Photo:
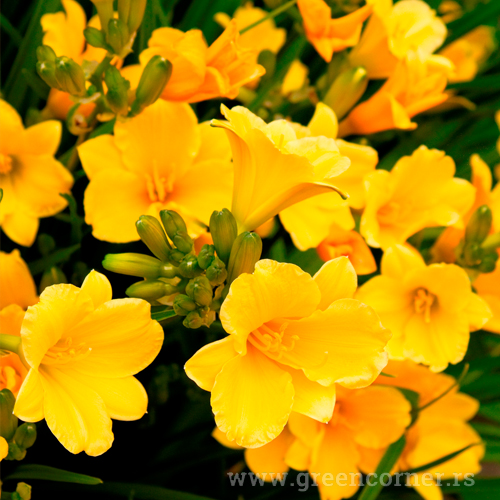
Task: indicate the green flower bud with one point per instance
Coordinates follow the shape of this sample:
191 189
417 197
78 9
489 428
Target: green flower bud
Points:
193 320
46 244
168 271
152 234
346 90
246 251
15 452
189 267
479 225
172 222
491 242
216 272
95 37
224 230
472 255
105 11
23 490
488 263
206 256
150 290
268 60
47 72
183 305
70 76
183 242
25 436
154 78
52 276
200 290
44 53
117 94
133 264
175 257
131 12
8 421
118 35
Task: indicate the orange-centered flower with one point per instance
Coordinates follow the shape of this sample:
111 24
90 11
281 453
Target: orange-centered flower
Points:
291 338
82 349
430 310
31 178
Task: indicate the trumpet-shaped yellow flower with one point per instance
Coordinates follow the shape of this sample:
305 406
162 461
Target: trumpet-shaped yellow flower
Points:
469 52
291 339
276 166
12 370
440 429
161 159
394 31
430 310
419 192
362 419
416 85
31 178
265 36
16 282
351 244
200 72
83 349
329 35
63 32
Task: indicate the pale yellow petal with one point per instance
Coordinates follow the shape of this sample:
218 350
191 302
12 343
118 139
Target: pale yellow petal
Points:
29 402
98 287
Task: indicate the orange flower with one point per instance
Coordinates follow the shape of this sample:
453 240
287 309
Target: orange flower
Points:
201 72
329 35
416 85
351 244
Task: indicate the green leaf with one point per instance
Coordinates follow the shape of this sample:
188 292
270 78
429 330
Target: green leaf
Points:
47 473
387 463
162 315
13 34
480 489
278 250
486 430
440 461
75 220
62 255
490 411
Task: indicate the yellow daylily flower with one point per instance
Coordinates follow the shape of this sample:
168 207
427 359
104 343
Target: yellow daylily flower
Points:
419 192
329 35
63 32
137 171
440 429
200 72
363 418
416 85
394 31
430 310
82 349
351 244
265 36
16 283
12 370
292 337
276 166
295 78
469 52
31 178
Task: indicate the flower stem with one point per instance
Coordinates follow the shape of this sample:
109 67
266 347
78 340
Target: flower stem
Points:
271 14
10 343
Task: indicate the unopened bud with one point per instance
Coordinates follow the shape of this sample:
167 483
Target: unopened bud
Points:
183 242
488 262
25 436
150 290
117 94
118 35
479 225
224 230
131 12
105 11
70 76
47 72
154 78
45 53
8 421
175 257
183 305
133 264
189 267
216 273
346 90
24 491
172 222
206 256
152 234
193 320
52 276
200 290
95 37
246 251
267 59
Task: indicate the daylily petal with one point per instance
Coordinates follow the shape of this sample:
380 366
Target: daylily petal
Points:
206 363
42 138
16 282
21 227
98 287
100 154
252 399
29 402
324 121
478 312
221 438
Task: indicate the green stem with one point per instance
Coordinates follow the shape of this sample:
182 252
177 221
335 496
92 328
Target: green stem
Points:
491 242
274 13
96 77
10 343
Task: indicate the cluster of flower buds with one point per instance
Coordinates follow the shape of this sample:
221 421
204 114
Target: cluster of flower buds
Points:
193 285
477 250
18 437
